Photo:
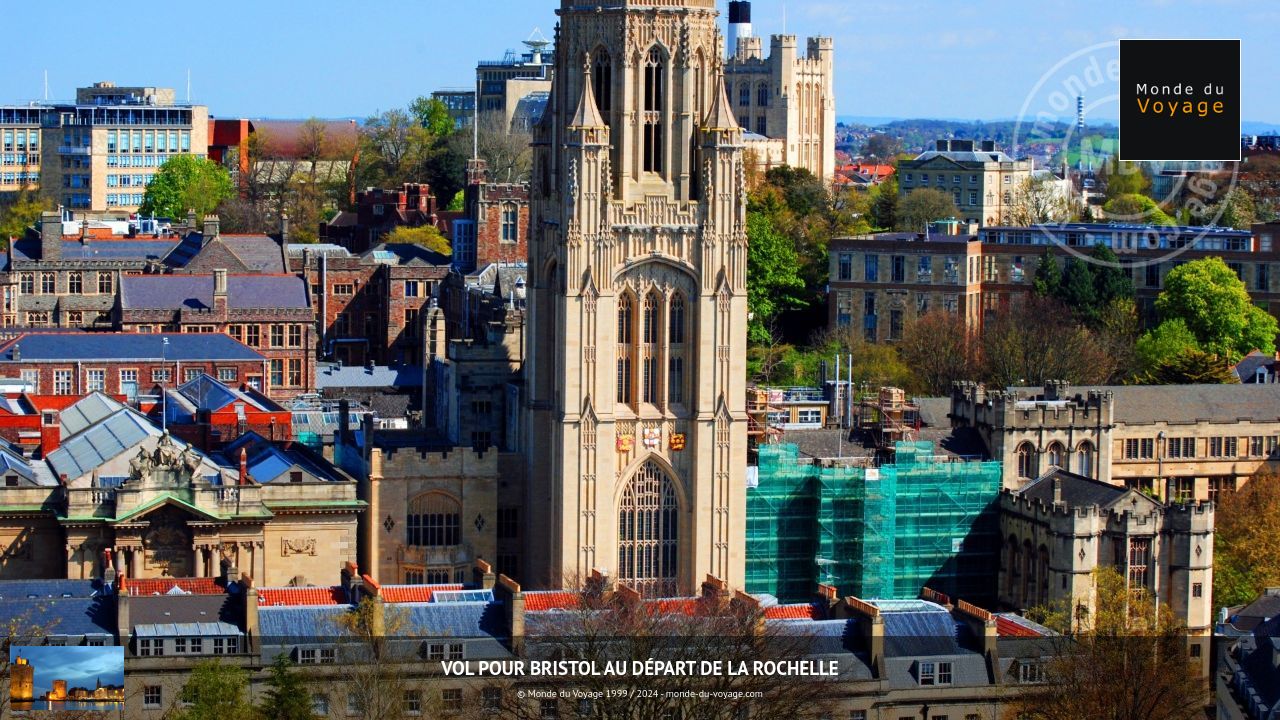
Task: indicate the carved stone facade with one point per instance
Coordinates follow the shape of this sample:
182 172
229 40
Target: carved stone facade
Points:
637 307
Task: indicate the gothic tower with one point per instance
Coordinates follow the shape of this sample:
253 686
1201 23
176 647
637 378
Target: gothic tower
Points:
638 306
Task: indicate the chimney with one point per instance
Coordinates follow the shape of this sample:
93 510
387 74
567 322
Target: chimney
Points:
284 228
983 625
716 591
512 597
244 466
212 228
483 574
50 236
220 292
251 619
50 432
191 219
872 631
15 353
123 628
829 596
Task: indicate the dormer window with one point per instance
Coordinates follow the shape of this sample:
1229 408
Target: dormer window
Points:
295 476
935 673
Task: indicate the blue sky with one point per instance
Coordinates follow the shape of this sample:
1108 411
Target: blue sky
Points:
79 666
332 58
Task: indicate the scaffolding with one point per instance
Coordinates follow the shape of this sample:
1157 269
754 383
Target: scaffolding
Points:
880 532
887 418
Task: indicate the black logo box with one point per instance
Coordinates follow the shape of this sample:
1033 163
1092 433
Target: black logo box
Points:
1180 65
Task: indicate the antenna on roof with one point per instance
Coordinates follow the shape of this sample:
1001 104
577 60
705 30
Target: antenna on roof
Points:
188 86
46 85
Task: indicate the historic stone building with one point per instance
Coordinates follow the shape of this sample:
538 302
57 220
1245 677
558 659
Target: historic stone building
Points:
637 304
786 102
980 178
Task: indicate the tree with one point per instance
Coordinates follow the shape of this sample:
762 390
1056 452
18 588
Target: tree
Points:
936 347
1246 545
1190 367
1117 331
881 147
802 191
1134 208
286 697
923 206
20 213
186 182
1212 301
1236 210
868 363
428 236
1119 179
432 114
884 204
506 151
1124 658
1110 282
1039 199
1076 290
1048 277
1036 340
216 691
773 281
1163 343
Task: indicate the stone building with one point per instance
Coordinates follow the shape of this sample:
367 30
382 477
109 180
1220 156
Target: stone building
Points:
637 304
786 102
880 281
1181 443
114 491
1062 526
980 178
495 226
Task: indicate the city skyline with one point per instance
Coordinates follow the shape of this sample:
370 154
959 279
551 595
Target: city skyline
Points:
888 62
80 666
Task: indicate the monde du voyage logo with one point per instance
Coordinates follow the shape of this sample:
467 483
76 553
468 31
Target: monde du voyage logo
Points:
1180 100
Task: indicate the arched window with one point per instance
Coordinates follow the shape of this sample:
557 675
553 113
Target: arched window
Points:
1058 456
602 82
648 533
762 94
434 521
1028 463
675 349
650 350
625 338
744 94
1086 459
654 106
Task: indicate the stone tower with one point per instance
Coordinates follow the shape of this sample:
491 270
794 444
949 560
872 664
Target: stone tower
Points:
638 307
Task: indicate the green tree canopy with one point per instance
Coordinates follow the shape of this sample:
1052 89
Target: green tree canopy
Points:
1048 277
1133 207
773 279
216 691
286 697
923 206
428 236
1163 343
186 182
1213 303
22 212
1123 178
432 114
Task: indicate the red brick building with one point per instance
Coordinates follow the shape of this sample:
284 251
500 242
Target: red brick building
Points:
271 314
209 414
378 212
369 305
128 365
496 227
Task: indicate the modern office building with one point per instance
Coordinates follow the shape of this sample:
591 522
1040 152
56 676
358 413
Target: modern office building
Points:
516 87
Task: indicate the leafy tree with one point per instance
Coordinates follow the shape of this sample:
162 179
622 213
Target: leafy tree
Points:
186 182
1212 301
287 697
1036 340
923 206
1110 283
1039 200
873 364
507 151
1190 367
773 281
1168 340
432 114
1246 545
802 191
881 147
428 236
21 213
1077 289
1123 658
1136 208
1236 210
884 204
216 691
1117 330
1121 179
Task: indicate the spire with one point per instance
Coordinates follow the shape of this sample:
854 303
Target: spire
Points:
720 117
587 115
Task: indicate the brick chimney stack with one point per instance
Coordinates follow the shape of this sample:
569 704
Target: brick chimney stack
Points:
51 236
220 292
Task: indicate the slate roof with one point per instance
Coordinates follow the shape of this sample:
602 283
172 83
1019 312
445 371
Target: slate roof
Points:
405 254
1248 618
167 609
244 292
28 249
267 461
256 253
1147 404
1259 666
454 620
12 462
379 376
126 346
24 589
307 623
1077 490
107 439
1247 369
207 393
60 616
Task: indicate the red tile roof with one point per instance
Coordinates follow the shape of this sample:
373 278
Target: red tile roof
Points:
414 593
793 612
671 606
269 597
1007 627
161 586
550 600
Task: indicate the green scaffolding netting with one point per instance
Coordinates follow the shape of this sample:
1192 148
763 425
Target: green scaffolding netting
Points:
874 532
